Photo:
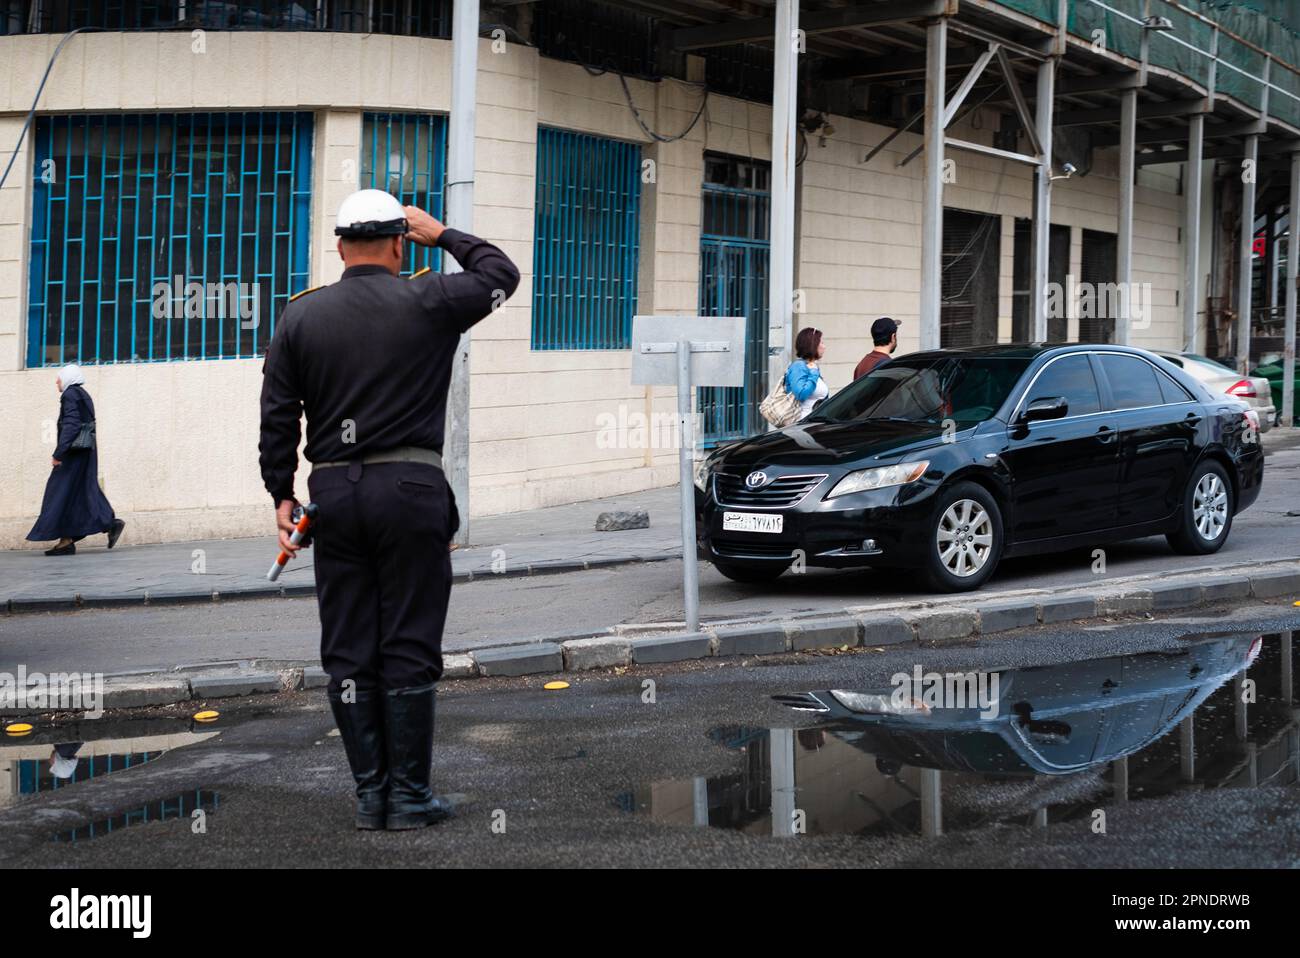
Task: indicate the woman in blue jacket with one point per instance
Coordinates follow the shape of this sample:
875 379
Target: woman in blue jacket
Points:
804 379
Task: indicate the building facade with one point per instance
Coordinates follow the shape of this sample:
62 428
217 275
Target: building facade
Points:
175 186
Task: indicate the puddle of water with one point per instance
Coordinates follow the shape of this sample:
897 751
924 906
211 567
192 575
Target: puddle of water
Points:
1043 744
63 756
183 805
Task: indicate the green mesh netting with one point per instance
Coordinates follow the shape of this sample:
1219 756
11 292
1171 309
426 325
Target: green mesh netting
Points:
1272 25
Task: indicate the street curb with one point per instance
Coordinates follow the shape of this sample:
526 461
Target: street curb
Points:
938 622
22 606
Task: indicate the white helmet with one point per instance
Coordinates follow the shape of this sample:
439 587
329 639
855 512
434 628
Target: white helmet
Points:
369 213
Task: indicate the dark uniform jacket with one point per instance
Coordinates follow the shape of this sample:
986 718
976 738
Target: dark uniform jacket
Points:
369 359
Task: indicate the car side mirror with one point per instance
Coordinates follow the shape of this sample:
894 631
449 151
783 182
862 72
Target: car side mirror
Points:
1052 407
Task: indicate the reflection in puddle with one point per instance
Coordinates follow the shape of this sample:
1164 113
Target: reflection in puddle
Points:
1217 711
64 756
178 806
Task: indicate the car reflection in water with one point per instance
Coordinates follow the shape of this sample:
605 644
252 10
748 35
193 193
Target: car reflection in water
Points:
1064 739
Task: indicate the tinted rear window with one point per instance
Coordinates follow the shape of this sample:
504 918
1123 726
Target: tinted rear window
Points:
1132 381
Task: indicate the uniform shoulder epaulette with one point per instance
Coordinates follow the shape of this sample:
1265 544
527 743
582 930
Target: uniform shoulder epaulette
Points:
420 272
305 292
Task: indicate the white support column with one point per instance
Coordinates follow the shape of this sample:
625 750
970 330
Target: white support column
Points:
1245 254
460 214
1042 228
936 46
1292 272
1192 230
1124 239
784 136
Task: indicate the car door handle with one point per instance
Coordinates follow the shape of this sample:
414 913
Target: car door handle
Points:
1106 434
1192 418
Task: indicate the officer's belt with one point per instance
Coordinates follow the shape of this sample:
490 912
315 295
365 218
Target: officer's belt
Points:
400 454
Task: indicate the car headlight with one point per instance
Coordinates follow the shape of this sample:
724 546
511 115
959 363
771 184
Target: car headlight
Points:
865 479
702 472
868 703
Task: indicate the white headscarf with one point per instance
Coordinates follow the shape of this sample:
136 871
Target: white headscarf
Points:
71 375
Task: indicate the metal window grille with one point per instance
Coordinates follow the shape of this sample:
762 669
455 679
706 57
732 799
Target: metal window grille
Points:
166 237
734 255
406 154
600 35
418 18
587 241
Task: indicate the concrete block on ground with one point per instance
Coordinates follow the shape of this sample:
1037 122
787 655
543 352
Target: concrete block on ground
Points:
459 667
826 634
759 639
314 677
1224 588
223 686
618 521
943 624
672 648
880 630
1067 608
520 659
597 652
1007 614
1270 585
138 693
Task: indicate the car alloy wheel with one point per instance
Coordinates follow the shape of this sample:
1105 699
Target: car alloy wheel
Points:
964 537
1210 507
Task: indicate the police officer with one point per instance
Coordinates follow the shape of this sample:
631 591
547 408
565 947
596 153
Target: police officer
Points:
369 359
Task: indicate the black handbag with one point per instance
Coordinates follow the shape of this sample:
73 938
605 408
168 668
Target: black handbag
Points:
86 438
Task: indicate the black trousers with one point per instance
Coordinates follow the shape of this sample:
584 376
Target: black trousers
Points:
383 572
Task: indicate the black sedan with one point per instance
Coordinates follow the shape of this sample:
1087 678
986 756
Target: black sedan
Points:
947 461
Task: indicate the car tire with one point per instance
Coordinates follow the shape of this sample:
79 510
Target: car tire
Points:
751 572
965 529
1209 491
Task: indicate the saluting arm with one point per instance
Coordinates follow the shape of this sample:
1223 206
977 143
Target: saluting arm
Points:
488 279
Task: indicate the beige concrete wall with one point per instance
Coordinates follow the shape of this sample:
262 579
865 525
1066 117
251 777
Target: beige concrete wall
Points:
178 441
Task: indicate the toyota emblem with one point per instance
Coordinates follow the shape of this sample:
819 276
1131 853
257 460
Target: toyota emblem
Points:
756 480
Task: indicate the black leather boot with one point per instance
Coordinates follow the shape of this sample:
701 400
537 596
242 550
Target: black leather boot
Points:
361 726
408 722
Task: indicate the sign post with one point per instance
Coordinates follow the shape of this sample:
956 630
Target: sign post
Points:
689 351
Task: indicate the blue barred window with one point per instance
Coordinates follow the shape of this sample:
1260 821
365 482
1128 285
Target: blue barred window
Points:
406 154
586 241
165 236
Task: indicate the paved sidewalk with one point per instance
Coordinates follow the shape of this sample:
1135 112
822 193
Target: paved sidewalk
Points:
540 541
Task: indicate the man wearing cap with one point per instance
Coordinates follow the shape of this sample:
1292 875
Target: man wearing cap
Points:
884 334
369 360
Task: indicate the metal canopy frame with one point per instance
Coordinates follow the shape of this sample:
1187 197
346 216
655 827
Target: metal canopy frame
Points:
1150 112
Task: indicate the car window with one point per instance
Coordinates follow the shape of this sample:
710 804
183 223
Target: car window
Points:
1069 377
1171 391
965 389
1132 381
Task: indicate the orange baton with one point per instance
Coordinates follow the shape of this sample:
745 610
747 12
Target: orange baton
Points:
299 533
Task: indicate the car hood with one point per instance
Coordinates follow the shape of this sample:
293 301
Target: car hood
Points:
832 443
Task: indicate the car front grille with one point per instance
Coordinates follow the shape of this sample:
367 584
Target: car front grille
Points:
780 493
733 549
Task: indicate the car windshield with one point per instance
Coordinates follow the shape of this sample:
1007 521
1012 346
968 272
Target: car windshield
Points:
965 389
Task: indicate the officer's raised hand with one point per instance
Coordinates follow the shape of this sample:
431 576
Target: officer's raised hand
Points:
422 227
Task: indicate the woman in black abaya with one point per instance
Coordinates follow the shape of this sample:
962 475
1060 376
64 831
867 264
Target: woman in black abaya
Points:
74 506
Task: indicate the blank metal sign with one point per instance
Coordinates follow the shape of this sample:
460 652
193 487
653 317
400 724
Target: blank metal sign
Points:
717 354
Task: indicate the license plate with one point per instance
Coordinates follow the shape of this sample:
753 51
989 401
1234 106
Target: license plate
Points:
751 522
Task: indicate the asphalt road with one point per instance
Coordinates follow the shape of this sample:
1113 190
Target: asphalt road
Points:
596 775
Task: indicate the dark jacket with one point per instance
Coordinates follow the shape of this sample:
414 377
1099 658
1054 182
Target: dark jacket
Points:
369 359
74 506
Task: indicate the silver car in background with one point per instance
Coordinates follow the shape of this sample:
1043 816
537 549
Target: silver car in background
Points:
1254 391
